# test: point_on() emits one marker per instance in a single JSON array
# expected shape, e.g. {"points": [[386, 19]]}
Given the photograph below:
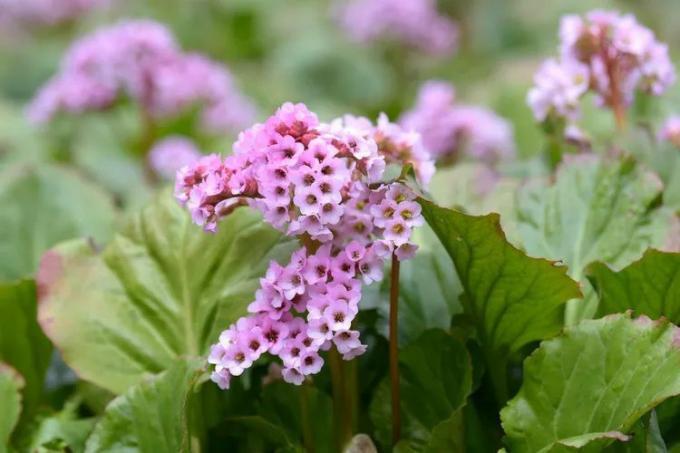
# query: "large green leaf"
{"points": [[597, 209], [163, 288], [11, 383], [43, 205], [649, 286], [592, 384], [23, 345], [152, 416], [513, 299], [435, 380]]}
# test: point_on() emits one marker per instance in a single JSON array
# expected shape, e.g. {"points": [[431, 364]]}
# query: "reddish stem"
{"points": [[394, 350]]}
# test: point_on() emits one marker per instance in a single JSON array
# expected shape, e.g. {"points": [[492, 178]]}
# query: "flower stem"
{"points": [[394, 350], [341, 409], [307, 433]]}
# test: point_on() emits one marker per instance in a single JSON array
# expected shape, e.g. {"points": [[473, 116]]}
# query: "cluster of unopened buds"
{"points": [[140, 60], [607, 53], [450, 130], [321, 183]]}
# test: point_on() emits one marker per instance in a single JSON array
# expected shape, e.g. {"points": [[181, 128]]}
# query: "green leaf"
{"points": [[255, 428], [62, 431], [597, 209], [23, 345], [435, 380], [11, 384], [152, 416], [592, 384], [43, 205], [646, 438], [649, 286], [300, 408], [162, 289], [513, 299]]}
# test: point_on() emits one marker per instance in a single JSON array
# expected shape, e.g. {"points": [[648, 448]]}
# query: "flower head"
{"points": [[449, 130], [141, 60], [320, 182], [172, 153], [415, 23], [606, 52]]}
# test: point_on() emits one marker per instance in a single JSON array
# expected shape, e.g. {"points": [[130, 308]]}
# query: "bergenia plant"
{"points": [[322, 183], [422, 284]]}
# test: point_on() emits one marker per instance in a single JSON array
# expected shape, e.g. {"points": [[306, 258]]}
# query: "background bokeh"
{"points": [[293, 50]]}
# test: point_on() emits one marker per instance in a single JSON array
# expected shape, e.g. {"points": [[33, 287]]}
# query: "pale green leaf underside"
{"points": [[649, 286], [152, 416], [514, 299], [597, 379], [42, 206], [162, 289]]}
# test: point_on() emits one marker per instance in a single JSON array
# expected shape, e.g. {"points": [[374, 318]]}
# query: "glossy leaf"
{"points": [[588, 387], [162, 289], [23, 345], [152, 416], [513, 299], [43, 205], [435, 380], [649, 286]]}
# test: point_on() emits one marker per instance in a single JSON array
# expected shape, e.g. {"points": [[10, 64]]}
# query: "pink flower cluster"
{"points": [[320, 183], [167, 156], [306, 178], [415, 23], [450, 130], [140, 60], [670, 131], [44, 12], [605, 52]]}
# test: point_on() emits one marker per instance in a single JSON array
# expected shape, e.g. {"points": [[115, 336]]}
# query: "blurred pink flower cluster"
{"points": [[415, 23], [140, 60], [670, 131], [321, 183], [18, 13], [607, 53], [450, 130], [167, 156]]}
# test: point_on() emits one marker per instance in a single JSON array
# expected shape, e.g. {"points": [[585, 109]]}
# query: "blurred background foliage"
{"points": [[293, 50]]}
